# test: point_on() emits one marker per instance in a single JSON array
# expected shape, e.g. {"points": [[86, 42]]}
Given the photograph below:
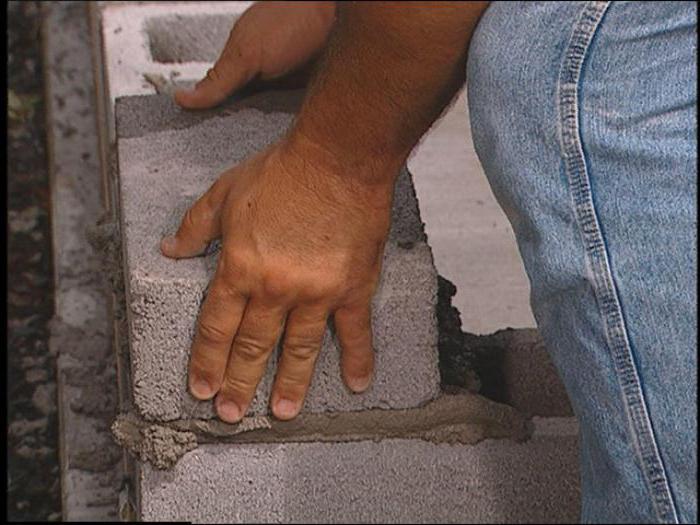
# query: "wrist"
{"points": [[357, 179], [371, 167]]}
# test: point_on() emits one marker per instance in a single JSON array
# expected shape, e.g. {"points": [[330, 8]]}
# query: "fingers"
{"points": [[353, 326], [232, 71], [218, 321], [302, 343], [256, 337], [200, 225]]}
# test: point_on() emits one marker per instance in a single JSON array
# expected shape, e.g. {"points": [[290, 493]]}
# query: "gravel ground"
{"points": [[33, 477]]}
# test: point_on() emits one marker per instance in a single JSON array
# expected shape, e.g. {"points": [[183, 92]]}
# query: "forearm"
{"points": [[389, 70]]}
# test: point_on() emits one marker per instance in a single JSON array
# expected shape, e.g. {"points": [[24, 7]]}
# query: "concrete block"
{"points": [[161, 172], [390, 481], [172, 39], [532, 384], [472, 240], [151, 46], [519, 372]]}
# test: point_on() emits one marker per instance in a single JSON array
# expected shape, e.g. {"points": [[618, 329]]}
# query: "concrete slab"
{"points": [[391, 481], [472, 240], [161, 173], [81, 330]]}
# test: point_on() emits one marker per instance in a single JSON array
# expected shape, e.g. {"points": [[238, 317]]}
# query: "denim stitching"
{"points": [[596, 252]]}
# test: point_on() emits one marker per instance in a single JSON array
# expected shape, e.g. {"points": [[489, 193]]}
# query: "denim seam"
{"points": [[598, 261]]}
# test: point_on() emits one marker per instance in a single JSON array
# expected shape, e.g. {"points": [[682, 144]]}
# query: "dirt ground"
{"points": [[33, 477]]}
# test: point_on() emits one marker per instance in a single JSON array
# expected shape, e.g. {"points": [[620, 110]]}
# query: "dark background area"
{"points": [[33, 476]]}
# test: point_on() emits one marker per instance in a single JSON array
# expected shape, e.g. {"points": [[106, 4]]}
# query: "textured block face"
{"points": [[531, 382], [393, 481], [161, 172]]}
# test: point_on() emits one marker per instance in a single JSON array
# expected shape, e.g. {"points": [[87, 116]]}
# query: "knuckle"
{"points": [[301, 350], [233, 257], [226, 288], [205, 208], [211, 334], [237, 29], [249, 349], [236, 388], [354, 330], [323, 288], [355, 339], [333, 284], [275, 285], [214, 73], [234, 266], [189, 219]]}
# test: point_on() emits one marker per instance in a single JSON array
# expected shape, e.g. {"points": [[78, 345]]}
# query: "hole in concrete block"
{"points": [[193, 38]]}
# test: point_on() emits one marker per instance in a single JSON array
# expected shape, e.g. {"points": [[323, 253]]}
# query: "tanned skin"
{"points": [[304, 222]]}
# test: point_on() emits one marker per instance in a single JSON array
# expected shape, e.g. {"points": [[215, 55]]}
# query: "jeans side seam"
{"points": [[596, 254]]}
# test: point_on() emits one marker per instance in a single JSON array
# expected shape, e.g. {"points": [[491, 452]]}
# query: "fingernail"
{"points": [[286, 409], [359, 384], [228, 411], [201, 389]]}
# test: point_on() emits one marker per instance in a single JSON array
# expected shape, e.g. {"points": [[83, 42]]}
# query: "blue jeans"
{"points": [[583, 115]]}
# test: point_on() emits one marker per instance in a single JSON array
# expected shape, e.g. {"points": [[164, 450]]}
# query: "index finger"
{"points": [[201, 223], [218, 321]]}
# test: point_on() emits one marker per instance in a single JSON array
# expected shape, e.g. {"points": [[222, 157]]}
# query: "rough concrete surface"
{"points": [[464, 418], [164, 115], [531, 382], [391, 481], [472, 240], [156, 444], [175, 40], [509, 366], [514, 367], [81, 331], [179, 38], [161, 173], [162, 445]]}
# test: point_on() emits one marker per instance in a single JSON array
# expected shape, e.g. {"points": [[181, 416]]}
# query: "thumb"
{"points": [[231, 72], [200, 225]]}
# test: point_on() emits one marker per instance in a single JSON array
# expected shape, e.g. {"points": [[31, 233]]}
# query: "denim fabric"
{"points": [[583, 116]]}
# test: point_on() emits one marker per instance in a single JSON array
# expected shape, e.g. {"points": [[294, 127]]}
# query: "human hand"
{"points": [[270, 40], [300, 242]]}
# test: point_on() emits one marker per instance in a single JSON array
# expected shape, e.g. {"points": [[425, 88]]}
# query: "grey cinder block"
{"points": [[519, 372], [392, 481], [161, 172]]}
